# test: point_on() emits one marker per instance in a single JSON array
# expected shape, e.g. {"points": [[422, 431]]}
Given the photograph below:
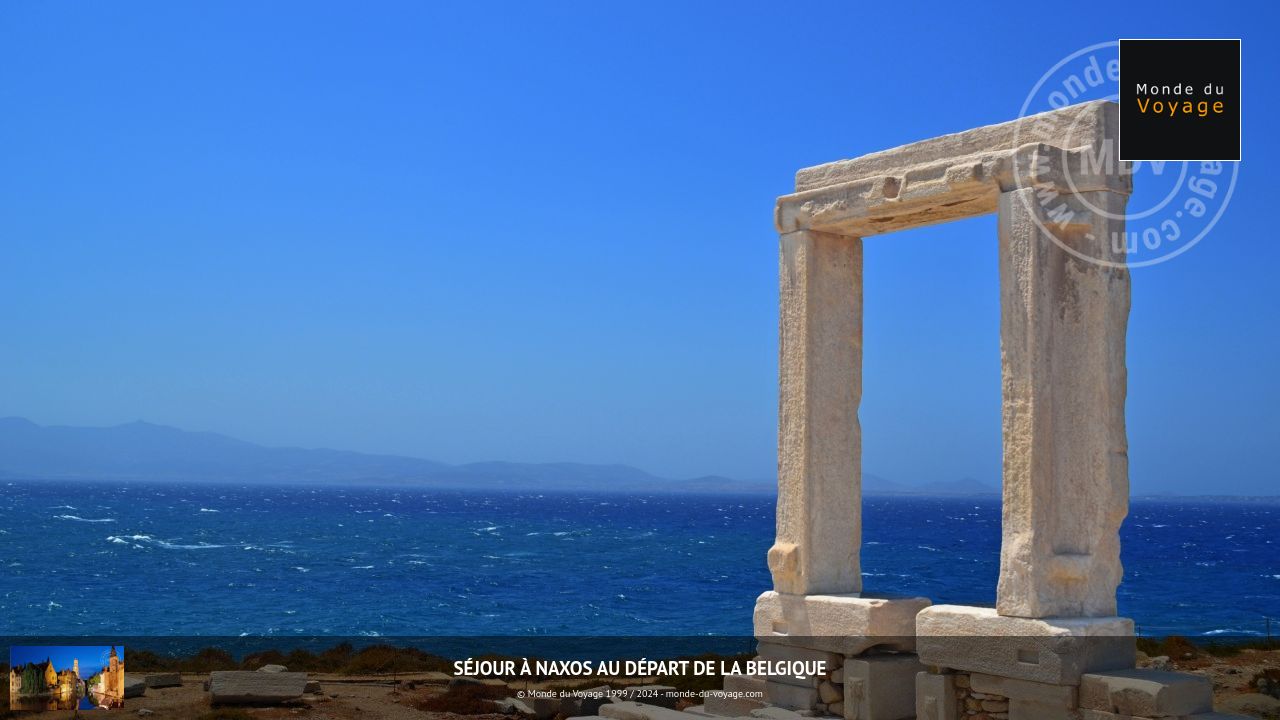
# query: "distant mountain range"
{"points": [[876, 485], [144, 451]]}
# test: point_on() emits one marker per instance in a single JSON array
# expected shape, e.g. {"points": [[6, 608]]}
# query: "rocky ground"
{"points": [[1235, 676]]}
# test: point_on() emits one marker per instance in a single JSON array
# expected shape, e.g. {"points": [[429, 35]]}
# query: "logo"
{"points": [[1174, 203], [1180, 100]]}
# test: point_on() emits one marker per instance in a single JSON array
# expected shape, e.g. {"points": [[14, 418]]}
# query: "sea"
{"points": [[100, 558]]}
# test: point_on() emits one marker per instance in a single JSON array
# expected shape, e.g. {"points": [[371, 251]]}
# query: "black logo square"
{"points": [[1179, 99]]}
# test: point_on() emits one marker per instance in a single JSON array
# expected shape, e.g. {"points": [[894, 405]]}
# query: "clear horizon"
{"points": [[543, 234]]}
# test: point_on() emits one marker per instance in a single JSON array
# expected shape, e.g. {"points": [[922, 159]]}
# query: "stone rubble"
{"points": [[242, 687], [134, 686], [163, 680]]}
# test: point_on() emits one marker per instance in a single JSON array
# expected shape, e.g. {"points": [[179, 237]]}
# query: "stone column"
{"points": [[819, 517], [1062, 346]]}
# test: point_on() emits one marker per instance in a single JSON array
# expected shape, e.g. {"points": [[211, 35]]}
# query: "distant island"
{"points": [[876, 485], [148, 452]]}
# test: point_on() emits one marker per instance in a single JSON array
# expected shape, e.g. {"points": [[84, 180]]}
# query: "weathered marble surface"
{"points": [[819, 517], [957, 176], [1047, 650], [1062, 356], [842, 624]]}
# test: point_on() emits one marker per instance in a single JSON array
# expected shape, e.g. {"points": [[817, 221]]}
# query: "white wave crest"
{"points": [[165, 544]]}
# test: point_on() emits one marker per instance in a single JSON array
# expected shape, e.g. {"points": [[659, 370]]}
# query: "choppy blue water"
{"points": [[140, 559]]}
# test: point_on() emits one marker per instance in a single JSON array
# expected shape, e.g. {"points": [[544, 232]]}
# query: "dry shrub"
{"points": [[1221, 649], [463, 700], [1178, 647], [391, 659], [1267, 682], [1175, 647], [147, 661], [208, 660], [267, 657]]}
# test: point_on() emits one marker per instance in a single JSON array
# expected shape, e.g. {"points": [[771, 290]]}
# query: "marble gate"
{"points": [[1053, 645]]}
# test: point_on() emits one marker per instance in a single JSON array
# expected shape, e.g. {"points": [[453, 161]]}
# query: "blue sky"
{"points": [[543, 232], [92, 657]]}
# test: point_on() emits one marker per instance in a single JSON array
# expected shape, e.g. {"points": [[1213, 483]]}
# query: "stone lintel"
{"points": [[1085, 124], [949, 189], [1043, 650], [842, 624]]}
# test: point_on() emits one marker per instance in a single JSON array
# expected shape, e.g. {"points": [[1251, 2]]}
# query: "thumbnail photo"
{"points": [[64, 677]]}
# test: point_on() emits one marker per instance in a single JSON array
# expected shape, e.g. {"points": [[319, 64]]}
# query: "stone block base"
{"points": [[1056, 651], [790, 697], [1130, 695], [164, 680], [842, 624], [975, 696], [628, 710], [744, 683], [1101, 715], [660, 695], [936, 697], [725, 706], [1024, 690], [771, 651], [1147, 693], [1036, 710], [880, 687], [776, 713], [744, 694]]}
